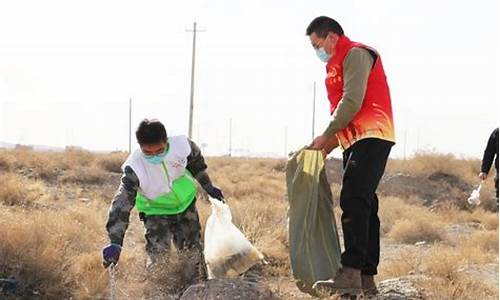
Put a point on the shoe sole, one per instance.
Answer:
(327, 287)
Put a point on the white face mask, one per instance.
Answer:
(322, 55)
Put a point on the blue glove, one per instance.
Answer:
(111, 254)
(214, 192)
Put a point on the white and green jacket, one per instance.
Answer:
(164, 189)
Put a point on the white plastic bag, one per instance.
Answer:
(227, 251)
(474, 196)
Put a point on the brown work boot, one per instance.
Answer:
(368, 285)
(347, 282)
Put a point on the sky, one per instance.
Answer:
(68, 69)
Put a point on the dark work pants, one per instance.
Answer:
(364, 165)
(496, 187)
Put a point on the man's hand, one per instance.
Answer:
(483, 175)
(324, 143)
(214, 192)
(331, 144)
(111, 254)
(318, 143)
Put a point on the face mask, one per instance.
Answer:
(156, 159)
(322, 55)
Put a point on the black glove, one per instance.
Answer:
(214, 192)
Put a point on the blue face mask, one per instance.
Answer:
(156, 159)
(322, 55)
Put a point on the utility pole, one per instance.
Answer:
(191, 102)
(314, 110)
(129, 125)
(198, 132)
(230, 135)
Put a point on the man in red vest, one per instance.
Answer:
(362, 124)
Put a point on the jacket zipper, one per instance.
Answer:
(170, 185)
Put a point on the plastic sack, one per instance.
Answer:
(474, 196)
(227, 251)
(314, 241)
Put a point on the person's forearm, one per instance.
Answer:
(489, 155)
(197, 166)
(356, 67)
(123, 202)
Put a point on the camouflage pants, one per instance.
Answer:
(182, 230)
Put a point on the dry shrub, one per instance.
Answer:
(483, 241)
(488, 219)
(6, 160)
(463, 288)
(32, 253)
(55, 253)
(419, 228)
(43, 165)
(90, 278)
(246, 179)
(452, 214)
(407, 261)
(182, 271)
(280, 166)
(112, 162)
(394, 209)
(75, 158)
(16, 190)
(426, 163)
(265, 225)
(445, 265)
(49, 165)
(262, 224)
(84, 175)
(444, 262)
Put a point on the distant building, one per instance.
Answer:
(73, 148)
(24, 147)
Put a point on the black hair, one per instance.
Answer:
(323, 25)
(150, 132)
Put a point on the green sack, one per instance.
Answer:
(314, 241)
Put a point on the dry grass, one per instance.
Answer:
(425, 163)
(416, 230)
(54, 248)
(16, 190)
(39, 250)
(448, 269)
(461, 288)
(84, 175)
(449, 265)
(483, 241)
(112, 162)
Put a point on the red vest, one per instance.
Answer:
(374, 119)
